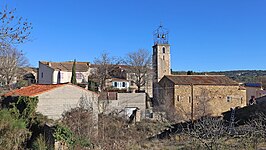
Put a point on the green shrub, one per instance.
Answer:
(13, 131)
(39, 143)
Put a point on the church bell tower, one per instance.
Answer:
(161, 54)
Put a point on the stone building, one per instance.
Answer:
(194, 96)
(190, 96)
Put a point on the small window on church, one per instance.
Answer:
(163, 49)
(189, 99)
(163, 57)
(178, 98)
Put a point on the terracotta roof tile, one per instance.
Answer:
(201, 80)
(33, 90)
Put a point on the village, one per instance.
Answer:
(145, 89)
(135, 102)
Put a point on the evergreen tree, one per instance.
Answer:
(73, 77)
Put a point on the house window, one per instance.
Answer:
(228, 98)
(163, 49)
(178, 98)
(131, 83)
(124, 84)
(42, 74)
(115, 84)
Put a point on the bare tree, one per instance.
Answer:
(207, 133)
(141, 64)
(10, 60)
(104, 65)
(13, 29)
(253, 132)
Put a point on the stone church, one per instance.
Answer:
(191, 96)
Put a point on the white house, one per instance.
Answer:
(55, 99)
(120, 84)
(61, 72)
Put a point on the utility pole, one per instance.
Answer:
(192, 115)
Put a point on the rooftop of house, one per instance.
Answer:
(201, 80)
(36, 89)
(33, 90)
(82, 66)
(67, 66)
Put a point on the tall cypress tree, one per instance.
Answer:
(73, 77)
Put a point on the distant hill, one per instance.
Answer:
(243, 76)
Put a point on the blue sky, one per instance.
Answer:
(205, 35)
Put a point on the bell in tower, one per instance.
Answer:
(160, 35)
(161, 53)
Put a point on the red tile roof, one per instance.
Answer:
(201, 80)
(33, 90)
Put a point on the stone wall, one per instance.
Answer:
(164, 92)
(208, 99)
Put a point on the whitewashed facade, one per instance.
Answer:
(56, 72)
